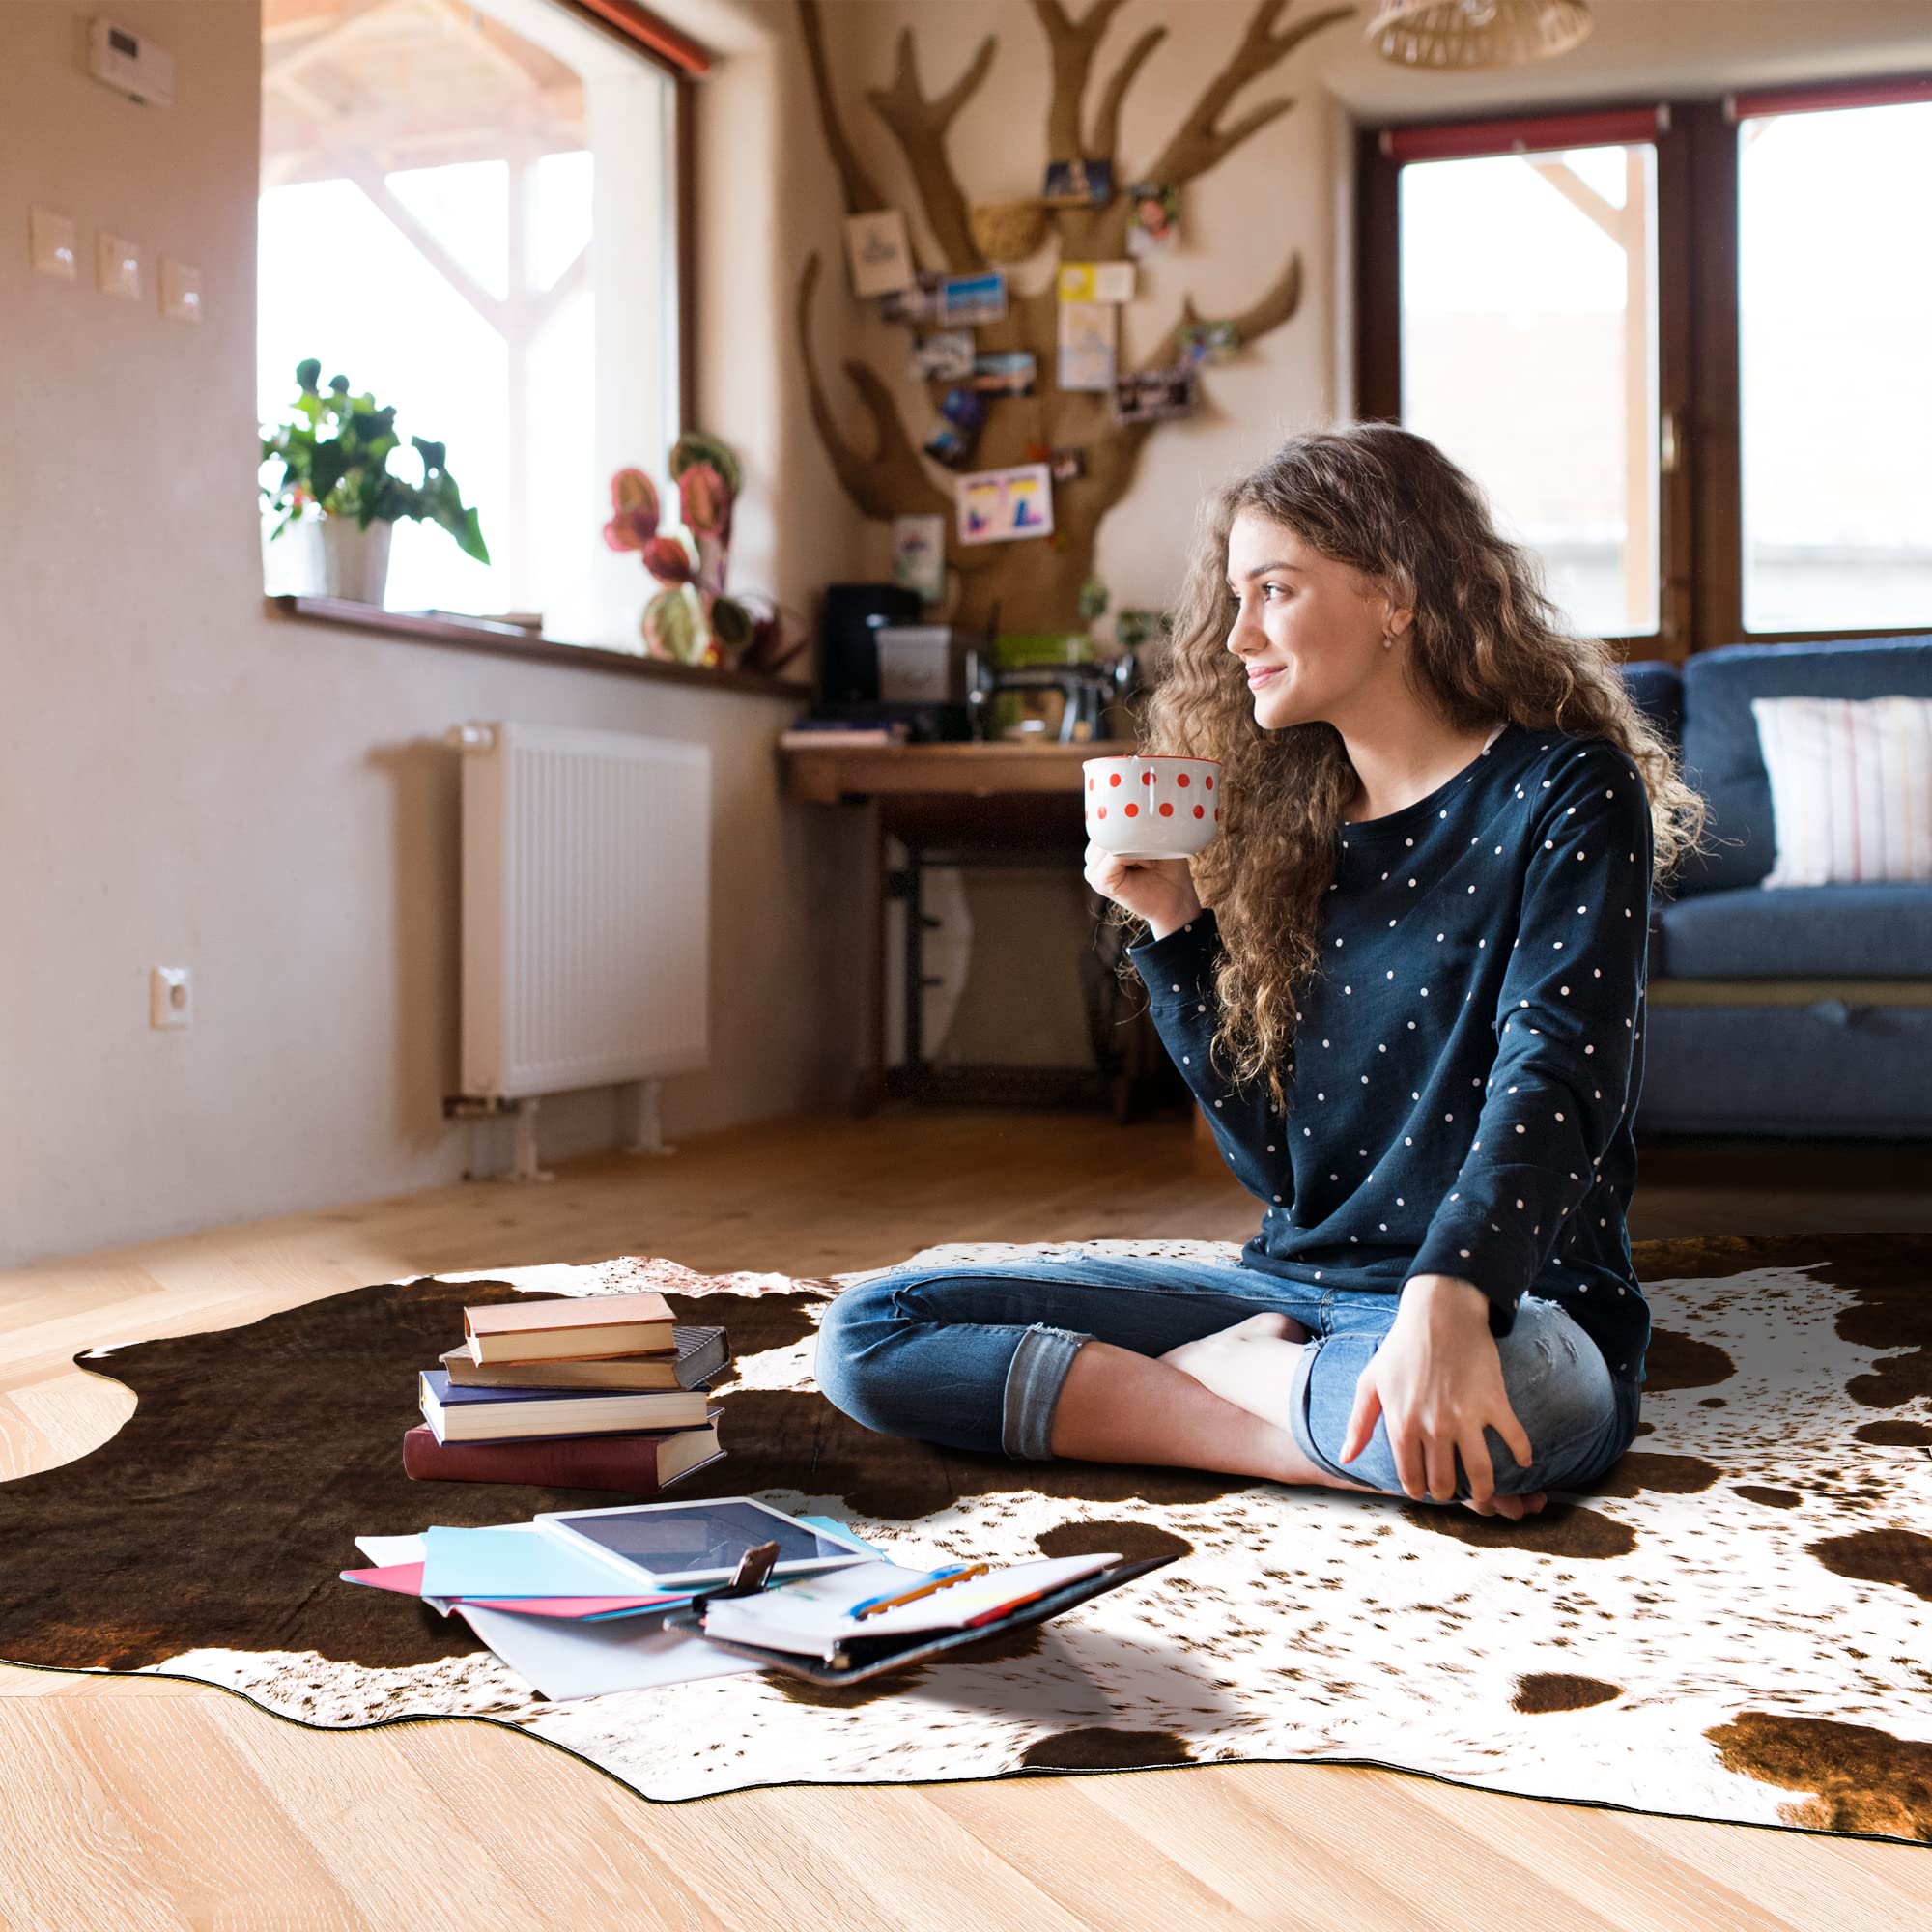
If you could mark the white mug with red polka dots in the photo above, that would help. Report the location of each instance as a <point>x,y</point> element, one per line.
<point>1149,806</point>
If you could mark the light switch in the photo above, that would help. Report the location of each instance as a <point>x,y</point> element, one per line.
<point>180,290</point>
<point>117,266</point>
<point>50,239</point>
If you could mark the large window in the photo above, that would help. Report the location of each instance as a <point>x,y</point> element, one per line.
<point>1529,354</point>
<point>1834,337</point>
<point>1682,346</point>
<point>469,209</point>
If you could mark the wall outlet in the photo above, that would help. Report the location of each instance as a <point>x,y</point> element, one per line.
<point>170,997</point>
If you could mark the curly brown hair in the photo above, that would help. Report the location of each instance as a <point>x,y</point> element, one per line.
<point>1485,645</point>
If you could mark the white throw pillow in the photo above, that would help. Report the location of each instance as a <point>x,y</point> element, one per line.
<point>1851,788</point>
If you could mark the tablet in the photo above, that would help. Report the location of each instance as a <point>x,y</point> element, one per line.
<point>700,1542</point>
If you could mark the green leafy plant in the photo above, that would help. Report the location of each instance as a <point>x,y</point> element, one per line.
<point>335,450</point>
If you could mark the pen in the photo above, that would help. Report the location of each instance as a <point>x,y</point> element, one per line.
<point>938,1580</point>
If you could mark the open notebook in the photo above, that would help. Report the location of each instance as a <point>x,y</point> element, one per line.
<point>818,1616</point>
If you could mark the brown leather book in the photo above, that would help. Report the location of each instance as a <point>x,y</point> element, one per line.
<point>639,1465</point>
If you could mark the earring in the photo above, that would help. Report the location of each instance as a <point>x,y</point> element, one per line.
<point>1389,642</point>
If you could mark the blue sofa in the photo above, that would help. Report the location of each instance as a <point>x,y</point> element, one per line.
<point>1801,1011</point>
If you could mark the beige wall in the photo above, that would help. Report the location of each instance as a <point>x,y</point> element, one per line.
<point>184,781</point>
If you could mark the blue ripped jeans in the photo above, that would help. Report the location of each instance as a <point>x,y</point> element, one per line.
<point>973,1357</point>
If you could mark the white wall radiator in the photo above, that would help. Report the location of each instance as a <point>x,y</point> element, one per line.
<point>586,917</point>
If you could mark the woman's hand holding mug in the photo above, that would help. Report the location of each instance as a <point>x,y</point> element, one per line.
<point>1159,891</point>
<point>1147,814</point>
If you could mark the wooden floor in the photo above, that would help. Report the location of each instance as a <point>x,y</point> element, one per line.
<point>138,1802</point>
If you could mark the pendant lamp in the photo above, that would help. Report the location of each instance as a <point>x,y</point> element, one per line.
<point>1476,33</point>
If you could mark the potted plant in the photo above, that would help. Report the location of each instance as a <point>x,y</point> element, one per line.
<point>335,450</point>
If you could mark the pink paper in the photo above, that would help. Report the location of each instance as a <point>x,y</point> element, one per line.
<point>407,1579</point>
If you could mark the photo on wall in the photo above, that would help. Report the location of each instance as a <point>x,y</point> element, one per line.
<point>1153,218</point>
<point>877,248</point>
<point>996,505</point>
<point>1086,182</point>
<point>1004,372</point>
<point>1199,342</point>
<point>1155,395</point>
<point>1096,281</point>
<point>971,299</point>
<point>943,358</point>
<point>918,556</point>
<point>923,300</point>
<point>1089,333</point>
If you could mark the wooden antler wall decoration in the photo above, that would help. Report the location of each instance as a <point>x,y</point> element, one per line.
<point>1034,584</point>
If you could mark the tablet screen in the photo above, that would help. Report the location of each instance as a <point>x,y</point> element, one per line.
<point>699,1542</point>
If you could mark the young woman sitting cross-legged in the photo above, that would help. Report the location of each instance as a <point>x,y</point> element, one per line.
<point>1405,983</point>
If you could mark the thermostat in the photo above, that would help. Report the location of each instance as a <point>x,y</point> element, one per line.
<point>131,64</point>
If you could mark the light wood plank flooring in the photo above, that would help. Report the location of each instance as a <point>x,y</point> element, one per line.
<point>130,1802</point>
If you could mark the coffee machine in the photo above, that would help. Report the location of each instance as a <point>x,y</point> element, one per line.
<point>881,663</point>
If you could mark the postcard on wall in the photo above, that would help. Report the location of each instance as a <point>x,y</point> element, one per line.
<point>1199,342</point>
<point>945,358</point>
<point>951,438</point>
<point>1153,218</point>
<point>970,298</point>
<point>877,248</point>
<point>1006,372</point>
<point>921,299</point>
<point>1096,281</point>
<point>1089,333</point>
<point>919,555</point>
<point>1154,395</point>
<point>994,505</point>
<point>1087,183</point>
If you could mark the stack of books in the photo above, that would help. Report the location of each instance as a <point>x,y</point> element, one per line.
<point>603,1393</point>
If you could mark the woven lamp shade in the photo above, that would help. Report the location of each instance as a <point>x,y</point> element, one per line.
<point>1476,33</point>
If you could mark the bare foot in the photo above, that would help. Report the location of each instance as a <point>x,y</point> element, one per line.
<point>1252,1366</point>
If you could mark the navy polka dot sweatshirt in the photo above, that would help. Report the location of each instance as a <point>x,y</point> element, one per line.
<point>1468,1060</point>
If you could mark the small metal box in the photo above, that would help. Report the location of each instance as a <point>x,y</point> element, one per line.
<point>922,664</point>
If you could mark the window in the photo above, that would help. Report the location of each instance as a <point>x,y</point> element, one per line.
<point>1834,324</point>
<point>469,208</point>
<point>1529,355</point>
<point>1681,347</point>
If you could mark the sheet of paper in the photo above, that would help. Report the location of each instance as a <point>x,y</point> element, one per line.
<point>581,1659</point>
<point>386,1551</point>
<point>523,1560</point>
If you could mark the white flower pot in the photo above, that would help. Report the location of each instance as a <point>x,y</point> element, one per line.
<point>355,561</point>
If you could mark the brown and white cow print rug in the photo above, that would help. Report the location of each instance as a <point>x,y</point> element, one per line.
<point>1731,1625</point>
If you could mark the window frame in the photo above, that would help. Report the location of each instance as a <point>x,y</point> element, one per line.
<point>1700,508</point>
<point>682,62</point>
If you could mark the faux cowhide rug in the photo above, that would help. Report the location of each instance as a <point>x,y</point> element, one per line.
<point>1732,1625</point>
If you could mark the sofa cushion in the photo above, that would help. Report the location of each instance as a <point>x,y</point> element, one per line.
<point>1720,747</point>
<point>1877,932</point>
<point>1657,686</point>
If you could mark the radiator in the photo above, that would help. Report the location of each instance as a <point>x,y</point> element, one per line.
<point>587,889</point>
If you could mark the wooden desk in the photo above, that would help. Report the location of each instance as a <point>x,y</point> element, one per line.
<point>1003,802</point>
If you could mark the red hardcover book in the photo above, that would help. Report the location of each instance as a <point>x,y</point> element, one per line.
<point>638,1465</point>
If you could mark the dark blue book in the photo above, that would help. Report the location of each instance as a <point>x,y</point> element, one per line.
<point>459,1414</point>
